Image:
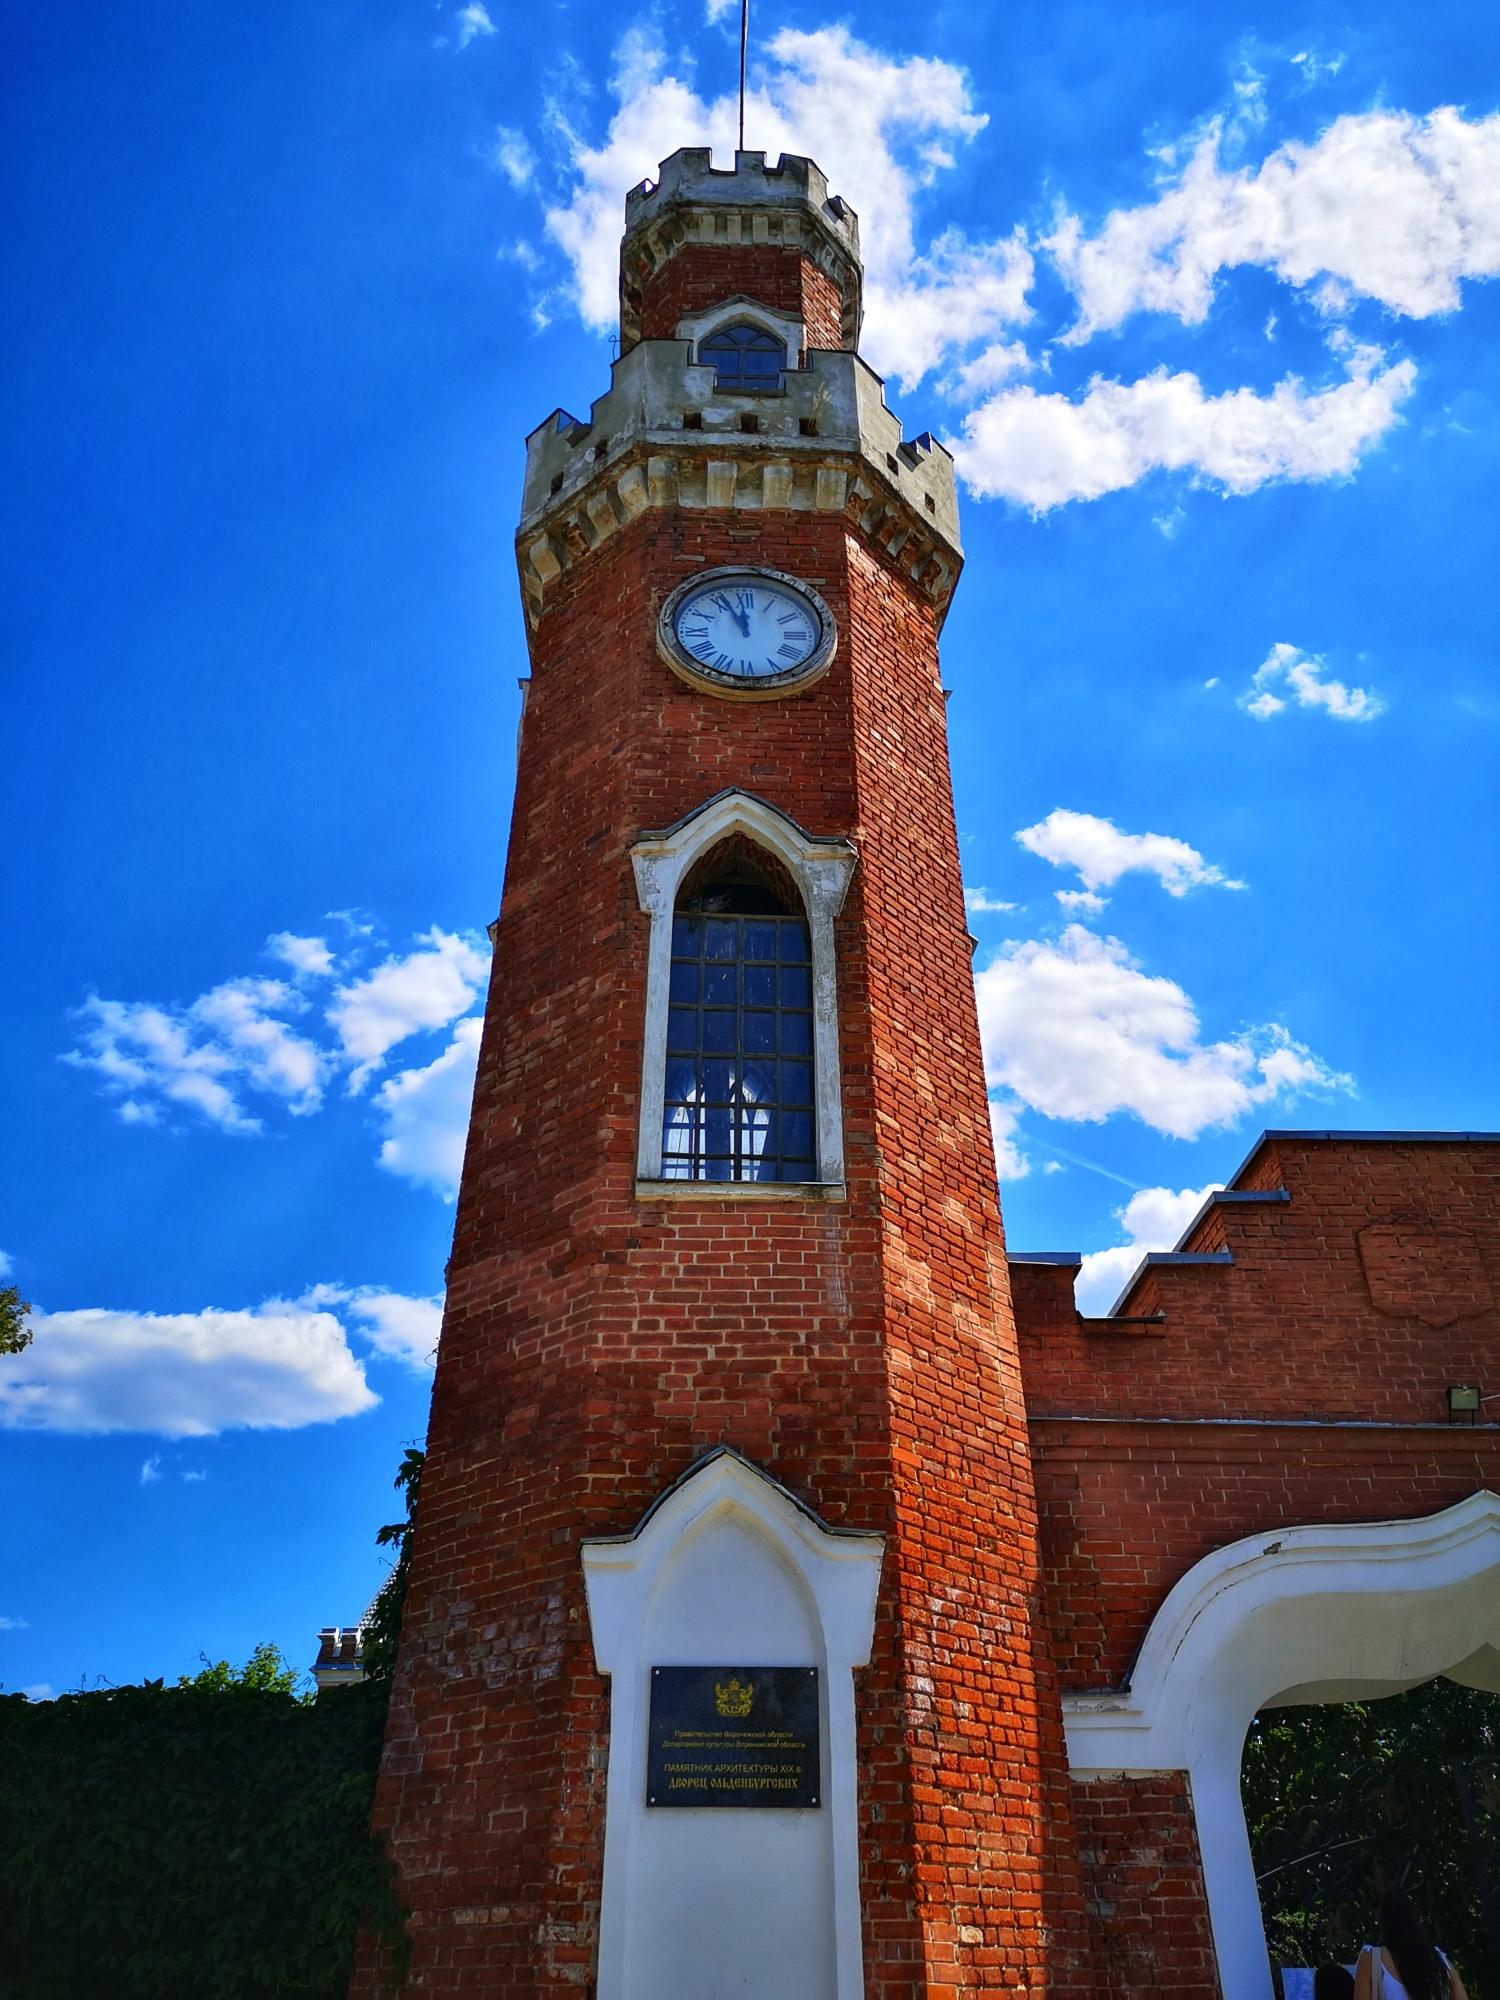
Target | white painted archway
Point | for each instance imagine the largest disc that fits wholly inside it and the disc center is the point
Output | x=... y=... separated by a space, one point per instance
x=1327 y=1613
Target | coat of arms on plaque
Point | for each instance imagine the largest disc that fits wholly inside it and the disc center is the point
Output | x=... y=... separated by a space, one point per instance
x=733 y=1697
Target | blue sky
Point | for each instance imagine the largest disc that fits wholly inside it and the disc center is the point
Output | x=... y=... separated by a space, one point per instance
x=1201 y=299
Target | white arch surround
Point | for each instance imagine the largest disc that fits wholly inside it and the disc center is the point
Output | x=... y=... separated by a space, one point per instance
x=821 y=870
x=725 y=1564
x=697 y=327
x=1325 y=1613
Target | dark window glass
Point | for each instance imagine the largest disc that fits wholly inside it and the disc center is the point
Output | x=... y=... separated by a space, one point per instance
x=744 y=357
x=733 y=1111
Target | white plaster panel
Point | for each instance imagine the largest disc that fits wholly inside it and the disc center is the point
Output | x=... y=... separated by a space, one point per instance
x=702 y=1904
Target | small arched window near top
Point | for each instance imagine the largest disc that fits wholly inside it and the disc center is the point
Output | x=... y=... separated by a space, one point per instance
x=740 y=1103
x=744 y=357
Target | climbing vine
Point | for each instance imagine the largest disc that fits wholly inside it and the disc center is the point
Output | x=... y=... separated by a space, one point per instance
x=208 y=1841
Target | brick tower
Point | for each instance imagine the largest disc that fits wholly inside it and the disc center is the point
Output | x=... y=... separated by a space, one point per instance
x=729 y=1179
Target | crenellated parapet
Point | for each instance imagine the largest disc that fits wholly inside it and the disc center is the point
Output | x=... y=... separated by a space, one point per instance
x=665 y=435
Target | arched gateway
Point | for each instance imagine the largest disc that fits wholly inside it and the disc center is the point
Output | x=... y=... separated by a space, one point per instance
x=729 y=1203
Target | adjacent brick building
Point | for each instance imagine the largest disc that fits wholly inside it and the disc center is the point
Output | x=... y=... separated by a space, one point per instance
x=1039 y=1482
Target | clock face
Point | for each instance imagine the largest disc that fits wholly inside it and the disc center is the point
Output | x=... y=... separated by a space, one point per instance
x=750 y=631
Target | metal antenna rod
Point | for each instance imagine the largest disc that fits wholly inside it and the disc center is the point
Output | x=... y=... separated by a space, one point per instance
x=744 y=40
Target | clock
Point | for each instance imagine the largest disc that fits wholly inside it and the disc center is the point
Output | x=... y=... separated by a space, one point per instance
x=746 y=633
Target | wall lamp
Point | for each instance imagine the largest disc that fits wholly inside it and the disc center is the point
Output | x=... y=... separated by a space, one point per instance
x=1464 y=1401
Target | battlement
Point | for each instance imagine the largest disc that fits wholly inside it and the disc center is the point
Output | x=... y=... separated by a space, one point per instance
x=689 y=175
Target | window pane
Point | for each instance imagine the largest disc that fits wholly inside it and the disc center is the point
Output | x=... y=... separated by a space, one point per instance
x=682 y=1028
x=796 y=1034
x=718 y=1082
x=719 y=983
x=794 y=942
x=684 y=984
x=796 y=1135
x=687 y=936
x=758 y=1082
x=760 y=1033
x=796 y=986
x=682 y=1079
x=796 y=1083
x=760 y=940
x=760 y=985
x=721 y=938
x=718 y=1032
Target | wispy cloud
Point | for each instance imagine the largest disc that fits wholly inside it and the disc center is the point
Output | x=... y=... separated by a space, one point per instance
x=151 y=1471
x=1288 y=676
x=511 y=154
x=1101 y=853
x=14 y=1625
x=1383 y=205
x=980 y=903
x=471 y=23
x=232 y=1055
x=882 y=127
x=425 y=1112
x=409 y=992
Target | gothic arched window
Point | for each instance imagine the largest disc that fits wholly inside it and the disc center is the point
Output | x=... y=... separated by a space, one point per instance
x=744 y=357
x=740 y=1097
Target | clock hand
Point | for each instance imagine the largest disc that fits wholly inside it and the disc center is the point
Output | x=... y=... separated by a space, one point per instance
x=741 y=618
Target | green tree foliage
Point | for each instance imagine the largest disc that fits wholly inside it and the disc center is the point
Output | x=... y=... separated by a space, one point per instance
x=383 y=1628
x=1347 y=1799
x=204 y=1842
x=15 y=1334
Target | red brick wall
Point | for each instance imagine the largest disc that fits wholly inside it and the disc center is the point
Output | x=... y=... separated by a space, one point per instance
x=1139 y=1849
x=595 y=1344
x=1293 y=1329
x=701 y=275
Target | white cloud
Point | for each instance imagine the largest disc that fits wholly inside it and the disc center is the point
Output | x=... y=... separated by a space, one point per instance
x=5 y=1265
x=40 y=1691
x=1383 y=205
x=1000 y=362
x=193 y=1478
x=1011 y=1164
x=392 y=1322
x=151 y=1471
x=203 y=1056
x=1076 y=1029
x=426 y=988
x=271 y=1367
x=1042 y=451
x=14 y=1625
x=308 y=956
x=473 y=21
x=715 y=10
x=1101 y=853
x=1081 y=901
x=511 y=154
x=980 y=903
x=1152 y=1219
x=426 y=1114
x=880 y=128
x=1301 y=678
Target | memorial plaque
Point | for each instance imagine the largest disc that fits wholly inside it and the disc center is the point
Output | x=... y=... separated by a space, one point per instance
x=733 y=1736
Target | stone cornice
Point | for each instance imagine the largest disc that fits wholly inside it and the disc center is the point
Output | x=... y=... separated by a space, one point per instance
x=738 y=474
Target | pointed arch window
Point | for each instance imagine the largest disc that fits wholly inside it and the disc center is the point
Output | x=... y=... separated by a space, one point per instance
x=739 y=1102
x=740 y=1063
x=744 y=356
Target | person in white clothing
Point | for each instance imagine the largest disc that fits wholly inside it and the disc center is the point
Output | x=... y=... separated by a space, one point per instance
x=1406 y=1964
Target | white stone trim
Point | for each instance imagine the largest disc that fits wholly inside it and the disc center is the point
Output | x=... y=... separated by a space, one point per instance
x=821 y=870
x=697 y=327
x=1326 y=1613
x=836 y=1572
